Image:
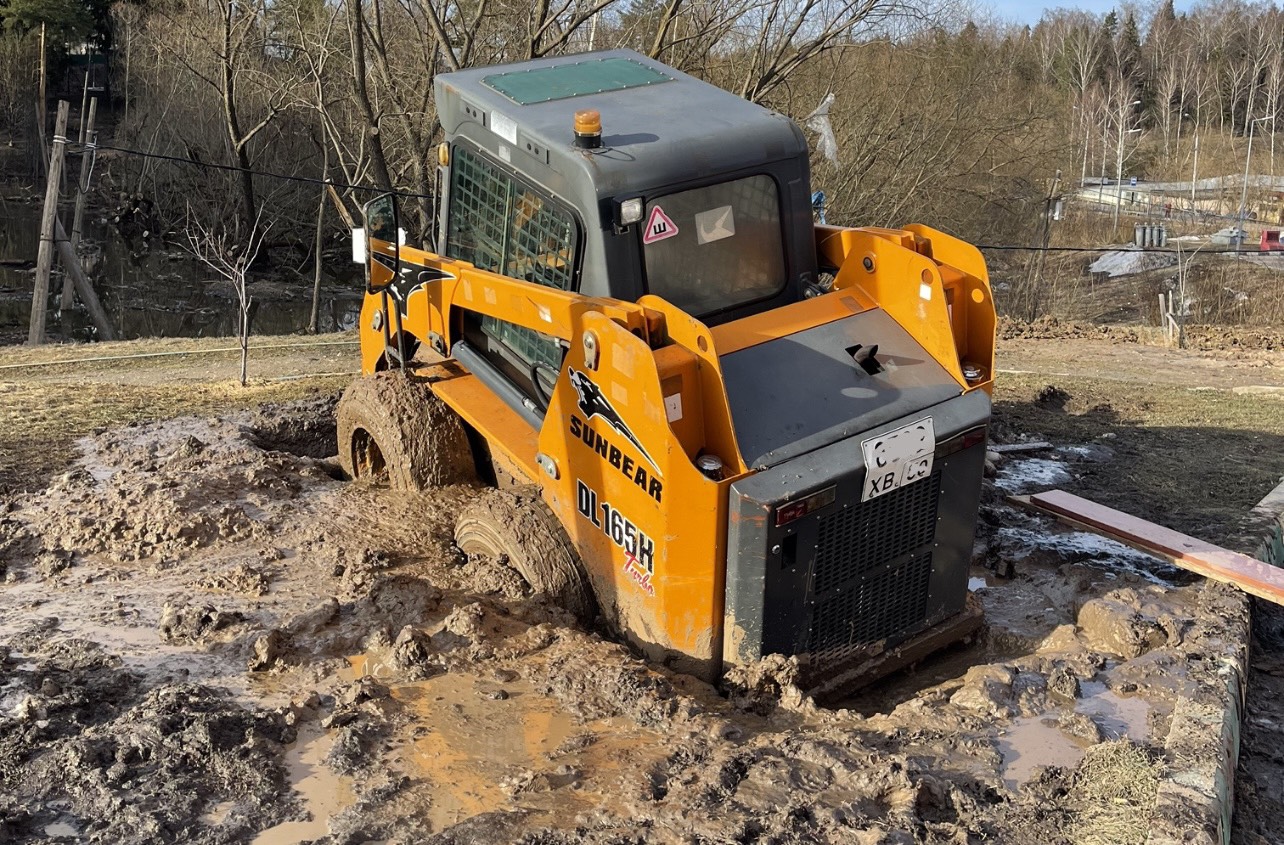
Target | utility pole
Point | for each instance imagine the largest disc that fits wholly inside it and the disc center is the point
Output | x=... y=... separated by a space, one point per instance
x=89 y=143
x=1243 y=197
x=84 y=93
x=48 y=220
x=43 y=62
x=1047 y=229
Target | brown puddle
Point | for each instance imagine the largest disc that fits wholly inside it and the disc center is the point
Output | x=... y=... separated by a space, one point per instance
x=324 y=794
x=1035 y=741
x=483 y=746
x=1117 y=715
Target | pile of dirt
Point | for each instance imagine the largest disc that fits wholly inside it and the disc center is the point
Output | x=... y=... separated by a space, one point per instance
x=89 y=752
x=1053 y=328
x=168 y=488
x=1233 y=338
x=1199 y=338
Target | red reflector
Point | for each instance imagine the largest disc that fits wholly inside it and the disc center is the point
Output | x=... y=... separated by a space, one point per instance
x=790 y=512
x=972 y=438
x=800 y=508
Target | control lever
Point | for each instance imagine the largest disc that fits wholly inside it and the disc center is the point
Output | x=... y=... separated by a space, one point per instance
x=865 y=356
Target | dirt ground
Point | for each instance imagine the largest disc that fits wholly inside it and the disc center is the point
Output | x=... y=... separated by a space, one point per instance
x=207 y=635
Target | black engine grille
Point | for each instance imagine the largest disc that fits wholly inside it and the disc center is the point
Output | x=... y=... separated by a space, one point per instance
x=861 y=539
x=881 y=606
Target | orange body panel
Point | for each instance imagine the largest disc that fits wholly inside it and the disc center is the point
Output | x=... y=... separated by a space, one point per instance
x=650 y=527
x=934 y=285
x=665 y=587
x=513 y=443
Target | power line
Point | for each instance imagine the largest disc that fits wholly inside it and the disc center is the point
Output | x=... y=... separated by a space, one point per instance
x=231 y=168
x=1115 y=248
x=309 y=180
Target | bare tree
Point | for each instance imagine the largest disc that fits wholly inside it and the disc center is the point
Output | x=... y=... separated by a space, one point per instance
x=231 y=256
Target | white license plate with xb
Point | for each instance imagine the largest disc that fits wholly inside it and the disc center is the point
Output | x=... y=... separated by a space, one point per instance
x=899 y=457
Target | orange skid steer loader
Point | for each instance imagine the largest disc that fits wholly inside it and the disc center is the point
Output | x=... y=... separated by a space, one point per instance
x=730 y=432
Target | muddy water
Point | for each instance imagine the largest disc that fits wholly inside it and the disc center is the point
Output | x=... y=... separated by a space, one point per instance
x=1118 y=716
x=1034 y=741
x=536 y=757
x=323 y=793
x=158 y=291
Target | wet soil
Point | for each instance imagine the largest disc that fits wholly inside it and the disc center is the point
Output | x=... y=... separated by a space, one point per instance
x=208 y=635
x=1259 y=783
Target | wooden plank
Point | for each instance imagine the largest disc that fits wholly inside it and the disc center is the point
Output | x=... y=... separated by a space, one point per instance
x=1006 y=448
x=84 y=287
x=82 y=191
x=1190 y=553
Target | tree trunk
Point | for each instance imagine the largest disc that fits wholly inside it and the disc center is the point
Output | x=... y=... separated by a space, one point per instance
x=245 y=333
x=316 y=273
x=232 y=120
x=356 y=33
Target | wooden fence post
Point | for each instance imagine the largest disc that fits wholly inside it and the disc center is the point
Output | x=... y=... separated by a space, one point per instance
x=83 y=287
x=44 y=258
x=90 y=140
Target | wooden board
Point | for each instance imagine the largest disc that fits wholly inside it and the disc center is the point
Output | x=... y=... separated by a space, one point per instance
x=1006 y=448
x=1204 y=558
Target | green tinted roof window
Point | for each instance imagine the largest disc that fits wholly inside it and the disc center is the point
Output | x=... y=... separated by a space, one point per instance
x=542 y=85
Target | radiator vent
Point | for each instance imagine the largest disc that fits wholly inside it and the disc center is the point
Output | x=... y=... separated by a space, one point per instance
x=880 y=606
x=872 y=534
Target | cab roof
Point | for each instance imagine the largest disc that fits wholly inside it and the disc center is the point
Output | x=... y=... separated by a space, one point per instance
x=659 y=125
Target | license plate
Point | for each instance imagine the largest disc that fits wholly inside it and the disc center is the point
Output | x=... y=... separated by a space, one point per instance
x=897 y=458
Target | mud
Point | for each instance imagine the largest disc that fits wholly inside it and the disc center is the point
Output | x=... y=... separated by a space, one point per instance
x=1054 y=328
x=207 y=636
x=1197 y=337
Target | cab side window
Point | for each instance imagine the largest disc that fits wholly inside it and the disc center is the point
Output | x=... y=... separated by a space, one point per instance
x=502 y=224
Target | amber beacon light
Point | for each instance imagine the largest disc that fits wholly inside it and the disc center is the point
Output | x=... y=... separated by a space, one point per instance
x=588 y=129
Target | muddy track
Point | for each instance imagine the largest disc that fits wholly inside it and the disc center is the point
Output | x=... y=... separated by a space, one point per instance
x=209 y=636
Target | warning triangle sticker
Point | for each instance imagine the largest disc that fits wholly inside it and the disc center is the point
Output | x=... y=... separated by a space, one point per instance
x=658 y=227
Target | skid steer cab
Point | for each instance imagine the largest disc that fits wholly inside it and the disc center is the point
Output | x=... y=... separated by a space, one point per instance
x=723 y=430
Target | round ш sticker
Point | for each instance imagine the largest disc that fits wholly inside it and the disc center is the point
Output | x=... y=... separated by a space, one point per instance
x=658 y=227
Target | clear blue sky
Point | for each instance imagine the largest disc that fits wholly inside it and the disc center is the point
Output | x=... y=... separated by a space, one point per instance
x=1027 y=12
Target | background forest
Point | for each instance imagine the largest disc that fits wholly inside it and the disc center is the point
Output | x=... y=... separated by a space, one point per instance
x=941 y=115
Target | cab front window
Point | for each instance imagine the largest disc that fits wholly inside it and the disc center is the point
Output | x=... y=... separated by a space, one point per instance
x=713 y=248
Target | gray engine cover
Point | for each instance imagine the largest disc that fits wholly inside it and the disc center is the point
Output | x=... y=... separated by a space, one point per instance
x=795 y=394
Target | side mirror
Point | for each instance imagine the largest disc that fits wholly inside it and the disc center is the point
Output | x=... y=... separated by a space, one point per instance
x=359 y=246
x=383 y=241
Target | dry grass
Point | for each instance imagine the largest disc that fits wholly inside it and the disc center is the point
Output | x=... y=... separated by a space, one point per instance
x=162 y=348
x=1082 y=228
x=1115 y=789
x=1193 y=460
x=1231 y=292
x=50 y=396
